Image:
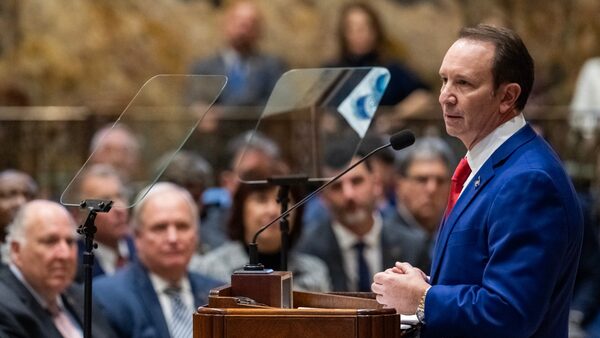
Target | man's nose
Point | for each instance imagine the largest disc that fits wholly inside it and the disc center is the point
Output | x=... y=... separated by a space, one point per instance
x=64 y=248
x=171 y=234
x=348 y=191
x=446 y=95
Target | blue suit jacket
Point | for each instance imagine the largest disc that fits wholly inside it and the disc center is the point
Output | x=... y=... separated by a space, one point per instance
x=505 y=259
x=263 y=72
x=131 y=305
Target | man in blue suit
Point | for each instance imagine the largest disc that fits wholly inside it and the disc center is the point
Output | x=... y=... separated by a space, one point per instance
x=251 y=74
x=507 y=252
x=156 y=296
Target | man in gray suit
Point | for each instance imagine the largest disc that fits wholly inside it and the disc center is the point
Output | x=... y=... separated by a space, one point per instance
x=251 y=74
x=356 y=241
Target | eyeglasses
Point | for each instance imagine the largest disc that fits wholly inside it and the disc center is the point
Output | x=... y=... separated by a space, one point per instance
x=424 y=179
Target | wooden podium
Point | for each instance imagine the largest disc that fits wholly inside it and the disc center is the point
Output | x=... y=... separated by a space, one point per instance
x=330 y=315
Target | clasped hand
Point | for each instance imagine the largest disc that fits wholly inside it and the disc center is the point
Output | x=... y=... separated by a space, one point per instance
x=400 y=287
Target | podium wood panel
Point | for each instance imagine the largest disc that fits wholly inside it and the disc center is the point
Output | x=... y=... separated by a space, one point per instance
x=318 y=315
x=295 y=323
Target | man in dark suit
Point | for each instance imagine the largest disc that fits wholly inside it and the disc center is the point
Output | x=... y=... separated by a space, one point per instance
x=37 y=298
x=508 y=248
x=355 y=241
x=422 y=182
x=115 y=244
x=155 y=296
x=251 y=74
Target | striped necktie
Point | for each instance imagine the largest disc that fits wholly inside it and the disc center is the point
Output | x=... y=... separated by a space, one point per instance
x=180 y=323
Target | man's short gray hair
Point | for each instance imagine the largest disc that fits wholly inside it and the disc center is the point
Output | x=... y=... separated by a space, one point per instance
x=425 y=148
x=17 y=229
x=155 y=191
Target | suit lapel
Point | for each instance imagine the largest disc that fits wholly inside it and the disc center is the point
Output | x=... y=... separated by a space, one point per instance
x=200 y=289
x=391 y=244
x=29 y=302
x=332 y=254
x=74 y=307
x=476 y=185
x=149 y=299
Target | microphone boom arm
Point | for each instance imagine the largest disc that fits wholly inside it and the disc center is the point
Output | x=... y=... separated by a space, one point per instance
x=398 y=141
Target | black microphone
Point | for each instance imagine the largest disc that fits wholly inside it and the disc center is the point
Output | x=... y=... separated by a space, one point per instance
x=398 y=141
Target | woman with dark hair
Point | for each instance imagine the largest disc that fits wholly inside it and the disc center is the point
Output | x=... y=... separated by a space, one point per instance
x=362 y=42
x=255 y=205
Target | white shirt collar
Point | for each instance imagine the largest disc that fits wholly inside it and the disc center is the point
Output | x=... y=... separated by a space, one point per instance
x=15 y=270
x=231 y=57
x=347 y=239
x=483 y=150
x=160 y=284
x=107 y=257
x=372 y=252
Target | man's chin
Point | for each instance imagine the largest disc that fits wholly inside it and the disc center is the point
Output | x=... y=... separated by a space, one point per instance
x=356 y=219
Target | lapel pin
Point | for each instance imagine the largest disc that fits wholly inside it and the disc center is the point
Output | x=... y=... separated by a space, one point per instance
x=477 y=181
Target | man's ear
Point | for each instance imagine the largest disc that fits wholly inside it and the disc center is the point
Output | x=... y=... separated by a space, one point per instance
x=510 y=94
x=15 y=252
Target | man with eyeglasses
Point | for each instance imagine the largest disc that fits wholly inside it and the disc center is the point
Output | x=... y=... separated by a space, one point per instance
x=422 y=185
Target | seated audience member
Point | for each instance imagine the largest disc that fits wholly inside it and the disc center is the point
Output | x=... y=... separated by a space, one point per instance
x=255 y=205
x=585 y=106
x=16 y=189
x=362 y=42
x=155 y=296
x=191 y=171
x=39 y=298
x=116 y=146
x=356 y=241
x=246 y=151
x=115 y=244
x=251 y=73
x=423 y=174
x=584 y=317
x=382 y=164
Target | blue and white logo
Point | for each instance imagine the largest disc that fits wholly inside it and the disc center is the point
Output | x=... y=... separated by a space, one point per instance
x=360 y=106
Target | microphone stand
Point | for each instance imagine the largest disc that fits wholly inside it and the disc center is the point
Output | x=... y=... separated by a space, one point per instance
x=284 y=183
x=275 y=288
x=88 y=229
x=397 y=141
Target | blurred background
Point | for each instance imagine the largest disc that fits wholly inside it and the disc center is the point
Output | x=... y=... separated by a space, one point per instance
x=69 y=67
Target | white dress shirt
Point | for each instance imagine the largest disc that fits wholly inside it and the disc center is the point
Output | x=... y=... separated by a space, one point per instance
x=107 y=257
x=160 y=285
x=347 y=239
x=483 y=150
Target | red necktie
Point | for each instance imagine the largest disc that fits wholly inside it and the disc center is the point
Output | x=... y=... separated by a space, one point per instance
x=461 y=174
x=121 y=261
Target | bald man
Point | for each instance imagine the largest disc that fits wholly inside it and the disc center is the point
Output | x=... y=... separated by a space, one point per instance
x=37 y=295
